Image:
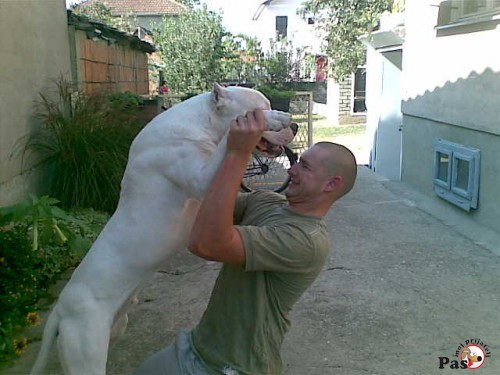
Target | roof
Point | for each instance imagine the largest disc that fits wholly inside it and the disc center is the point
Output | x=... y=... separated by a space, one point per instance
x=99 y=30
x=143 y=7
x=261 y=8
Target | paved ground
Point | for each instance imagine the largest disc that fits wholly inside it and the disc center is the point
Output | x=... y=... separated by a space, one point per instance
x=401 y=289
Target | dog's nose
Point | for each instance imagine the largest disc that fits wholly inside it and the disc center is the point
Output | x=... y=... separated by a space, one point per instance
x=479 y=358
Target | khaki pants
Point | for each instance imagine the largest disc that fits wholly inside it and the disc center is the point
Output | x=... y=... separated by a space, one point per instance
x=176 y=359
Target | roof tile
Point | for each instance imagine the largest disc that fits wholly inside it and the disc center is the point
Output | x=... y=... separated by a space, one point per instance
x=119 y=7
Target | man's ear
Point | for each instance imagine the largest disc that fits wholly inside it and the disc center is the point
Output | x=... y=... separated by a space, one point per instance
x=334 y=183
x=219 y=96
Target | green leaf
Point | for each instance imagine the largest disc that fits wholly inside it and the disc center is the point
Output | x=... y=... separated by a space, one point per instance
x=15 y=212
x=79 y=246
x=47 y=232
x=343 y=22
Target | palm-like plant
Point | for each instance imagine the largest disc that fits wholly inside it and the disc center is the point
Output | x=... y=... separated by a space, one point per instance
x=83 y=141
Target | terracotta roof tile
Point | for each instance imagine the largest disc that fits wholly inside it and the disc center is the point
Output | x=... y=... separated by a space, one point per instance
x=143 y=6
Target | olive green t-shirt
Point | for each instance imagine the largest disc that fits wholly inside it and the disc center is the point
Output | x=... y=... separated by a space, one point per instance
x=247 y=315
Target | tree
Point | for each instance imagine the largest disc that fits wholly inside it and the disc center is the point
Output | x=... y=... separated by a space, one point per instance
x=100 y=12
x=189 y=3
x=241 y=53
x=191 y=49
x=343 y=22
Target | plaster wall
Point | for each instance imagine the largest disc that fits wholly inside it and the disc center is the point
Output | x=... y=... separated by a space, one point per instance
x=34 y=52
x=299 y=31
x=451 y=89
x=435 y=66
x=374 y=103
x=418 y=160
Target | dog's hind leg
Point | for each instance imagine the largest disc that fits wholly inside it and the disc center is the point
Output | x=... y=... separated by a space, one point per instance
x=83 y=343
x=49 y=336
x=121 y=319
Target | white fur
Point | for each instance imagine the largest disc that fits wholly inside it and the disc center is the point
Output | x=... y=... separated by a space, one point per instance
x=173 y=159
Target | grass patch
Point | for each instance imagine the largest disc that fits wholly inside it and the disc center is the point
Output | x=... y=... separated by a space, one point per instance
x=352 y=136
x=336 y=131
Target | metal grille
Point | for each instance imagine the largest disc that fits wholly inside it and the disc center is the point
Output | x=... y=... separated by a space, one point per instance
x=301 y=110
x=275 y=175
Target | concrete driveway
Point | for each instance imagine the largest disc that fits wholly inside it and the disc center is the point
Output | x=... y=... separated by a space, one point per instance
x=402 y=289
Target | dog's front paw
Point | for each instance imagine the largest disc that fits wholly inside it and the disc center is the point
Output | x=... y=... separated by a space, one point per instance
x=277 y=120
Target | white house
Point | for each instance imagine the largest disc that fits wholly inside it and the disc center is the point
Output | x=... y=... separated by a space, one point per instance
x=274 y=18
x=445 y=100
x=383 y=94
x=345 y=101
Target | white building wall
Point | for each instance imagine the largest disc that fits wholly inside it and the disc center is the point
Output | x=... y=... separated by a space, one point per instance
x=299 y=31
x=431 y=62
x=451 y=89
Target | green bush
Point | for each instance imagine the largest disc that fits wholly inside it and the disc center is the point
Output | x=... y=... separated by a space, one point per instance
x=274 y=92
x=20 y=289
x=83 y=143
x=26 y=276
x=38 y=241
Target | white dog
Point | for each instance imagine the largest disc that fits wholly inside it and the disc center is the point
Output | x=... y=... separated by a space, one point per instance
x=174 y=158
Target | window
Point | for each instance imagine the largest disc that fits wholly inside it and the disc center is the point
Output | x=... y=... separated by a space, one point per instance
x=281 y=26
x=359 y=91
x=456 y=173
x=453 y=12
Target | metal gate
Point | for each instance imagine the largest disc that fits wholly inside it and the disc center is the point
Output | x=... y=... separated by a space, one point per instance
x=301 y=110
x=276 y=169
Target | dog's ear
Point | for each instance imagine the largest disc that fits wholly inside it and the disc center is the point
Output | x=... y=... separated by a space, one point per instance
x=219 y=95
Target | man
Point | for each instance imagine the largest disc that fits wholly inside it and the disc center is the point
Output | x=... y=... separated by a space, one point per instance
x=272 y=249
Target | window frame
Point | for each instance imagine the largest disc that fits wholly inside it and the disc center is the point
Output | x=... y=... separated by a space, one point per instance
x=438 y=149
x=449 y=23
x=448 y=190
x=353 y=93
x=279 y=25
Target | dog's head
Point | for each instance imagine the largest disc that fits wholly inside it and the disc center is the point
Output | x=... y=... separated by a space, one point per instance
x=231 y=102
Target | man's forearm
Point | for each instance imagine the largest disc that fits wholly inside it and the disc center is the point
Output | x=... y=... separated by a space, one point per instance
x=213 y=230
x=213 y=235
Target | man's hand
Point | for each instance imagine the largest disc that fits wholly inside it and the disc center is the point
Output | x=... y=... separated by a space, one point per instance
x=214 y=236
x=245 y=132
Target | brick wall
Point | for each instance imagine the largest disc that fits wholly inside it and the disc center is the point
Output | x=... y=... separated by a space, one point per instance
x=345 y=103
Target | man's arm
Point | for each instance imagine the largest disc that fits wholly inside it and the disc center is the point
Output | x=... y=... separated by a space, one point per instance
x=213 y=235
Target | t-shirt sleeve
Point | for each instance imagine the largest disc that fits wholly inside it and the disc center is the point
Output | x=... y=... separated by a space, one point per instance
x=239 y=207
x=281 y=248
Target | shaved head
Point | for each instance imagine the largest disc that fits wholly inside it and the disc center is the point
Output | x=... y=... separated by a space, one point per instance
x=338 y=160
x=324 y=173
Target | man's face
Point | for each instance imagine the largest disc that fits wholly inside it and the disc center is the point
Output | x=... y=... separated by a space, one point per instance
x=308 y=176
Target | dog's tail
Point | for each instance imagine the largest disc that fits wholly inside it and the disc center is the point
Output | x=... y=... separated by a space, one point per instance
x=49 y=336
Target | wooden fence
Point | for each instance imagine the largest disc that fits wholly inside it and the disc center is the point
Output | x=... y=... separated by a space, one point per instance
x=105 y=59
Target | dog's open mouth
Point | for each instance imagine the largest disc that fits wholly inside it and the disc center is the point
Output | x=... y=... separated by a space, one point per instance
x=272 y=143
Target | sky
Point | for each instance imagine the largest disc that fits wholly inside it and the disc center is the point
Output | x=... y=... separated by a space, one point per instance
x=237 y=13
